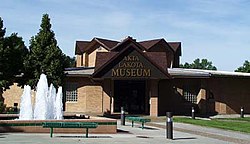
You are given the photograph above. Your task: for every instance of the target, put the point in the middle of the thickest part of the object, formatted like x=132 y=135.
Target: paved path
x=127 y=135
x=224 y=135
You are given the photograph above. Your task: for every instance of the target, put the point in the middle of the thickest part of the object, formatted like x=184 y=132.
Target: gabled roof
x=102 y=58
x=157 y=62
x=108 y=43
x=149 y=43
x=176 y=46
x=112 y=45
x=83 y=46
x=125 y=43
x=159 y=58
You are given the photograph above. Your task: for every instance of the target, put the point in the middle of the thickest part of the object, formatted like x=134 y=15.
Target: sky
x=217 y=30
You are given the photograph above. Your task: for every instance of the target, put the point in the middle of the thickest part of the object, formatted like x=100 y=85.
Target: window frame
x=71 y=92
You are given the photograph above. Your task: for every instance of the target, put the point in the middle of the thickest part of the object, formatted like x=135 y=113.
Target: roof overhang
x=198 y=73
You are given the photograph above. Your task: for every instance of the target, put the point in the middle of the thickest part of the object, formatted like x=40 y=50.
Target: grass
x=235 y=124
x=246 y=119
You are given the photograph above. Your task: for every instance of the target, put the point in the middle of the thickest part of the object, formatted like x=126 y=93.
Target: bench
x=138 y=119
x=52 y=125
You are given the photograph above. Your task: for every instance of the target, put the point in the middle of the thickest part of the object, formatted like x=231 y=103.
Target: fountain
x=48 y=107
x=26 y=110
x=48 y=104
x=40 y=110
x=51 y=102
x=58 y=105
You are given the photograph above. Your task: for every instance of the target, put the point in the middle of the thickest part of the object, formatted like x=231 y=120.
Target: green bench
x=52 y=125
x=138 y=119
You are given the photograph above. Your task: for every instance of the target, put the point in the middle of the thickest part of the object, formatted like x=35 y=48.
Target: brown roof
x=125 y=43
x=175 y=45
x=109 y=43
x=81 y=46
x=159 y=58
x=149 y=43
x=102 y=58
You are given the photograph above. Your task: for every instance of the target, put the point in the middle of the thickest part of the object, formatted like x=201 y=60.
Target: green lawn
x=235 y=124
x=246 y=119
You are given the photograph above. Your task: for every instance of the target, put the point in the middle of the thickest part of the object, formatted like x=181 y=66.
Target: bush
x=2 y=107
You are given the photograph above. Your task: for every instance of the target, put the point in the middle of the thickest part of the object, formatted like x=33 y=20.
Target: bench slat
x=138 y=119
x=52 y=125
x=70 y=124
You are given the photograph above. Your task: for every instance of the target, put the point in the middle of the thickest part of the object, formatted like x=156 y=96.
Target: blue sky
x=218 y=30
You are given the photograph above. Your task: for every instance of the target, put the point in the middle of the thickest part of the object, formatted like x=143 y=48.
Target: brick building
x=144 y=77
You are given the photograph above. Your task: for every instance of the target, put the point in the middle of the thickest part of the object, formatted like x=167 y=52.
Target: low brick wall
x=105 y=126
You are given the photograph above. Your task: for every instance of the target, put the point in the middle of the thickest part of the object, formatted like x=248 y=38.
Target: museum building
x=144 y=77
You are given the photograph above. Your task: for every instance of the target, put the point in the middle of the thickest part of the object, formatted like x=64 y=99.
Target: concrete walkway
x=214 y=133
x=183 y=133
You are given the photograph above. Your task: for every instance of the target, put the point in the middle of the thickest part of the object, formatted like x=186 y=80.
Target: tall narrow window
x=71 y=92
x=190 y=95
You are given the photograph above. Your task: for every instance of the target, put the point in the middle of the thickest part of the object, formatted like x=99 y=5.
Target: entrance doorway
x=130 y=94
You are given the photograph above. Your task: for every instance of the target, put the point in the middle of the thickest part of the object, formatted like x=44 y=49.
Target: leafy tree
x=12 y=53
x=70 y=61
x=244 y=68
x=197 y=64
x=45 y=56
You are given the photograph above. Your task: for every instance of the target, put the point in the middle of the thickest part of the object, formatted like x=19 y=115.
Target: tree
x=45 y=56
x=2 y=30
x=70 y=62
x=244 y=68
x=197 y=64
x=12 y=53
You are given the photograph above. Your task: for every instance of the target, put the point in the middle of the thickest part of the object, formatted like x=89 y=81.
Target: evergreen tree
x=245 y=68
x=45 y=56
x=197 y=64
x=2 y=33
x=2 y=30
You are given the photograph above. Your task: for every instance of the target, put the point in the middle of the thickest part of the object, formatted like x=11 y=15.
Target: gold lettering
x=139 y=72
x=146 y=72
x=115 y=72
x=131 y=66
x=140 y=65
x=122 y=72
x=128 y=72
x=133 y=72
x=131 y=58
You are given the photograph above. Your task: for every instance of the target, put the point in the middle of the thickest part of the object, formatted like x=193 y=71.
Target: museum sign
x=131 y=66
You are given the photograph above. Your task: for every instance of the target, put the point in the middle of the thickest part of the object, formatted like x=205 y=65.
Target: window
x=190 y=96
x=71 y=92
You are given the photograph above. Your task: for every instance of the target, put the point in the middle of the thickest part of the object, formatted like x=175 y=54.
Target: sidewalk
x=219 y=134
x=183 y=133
